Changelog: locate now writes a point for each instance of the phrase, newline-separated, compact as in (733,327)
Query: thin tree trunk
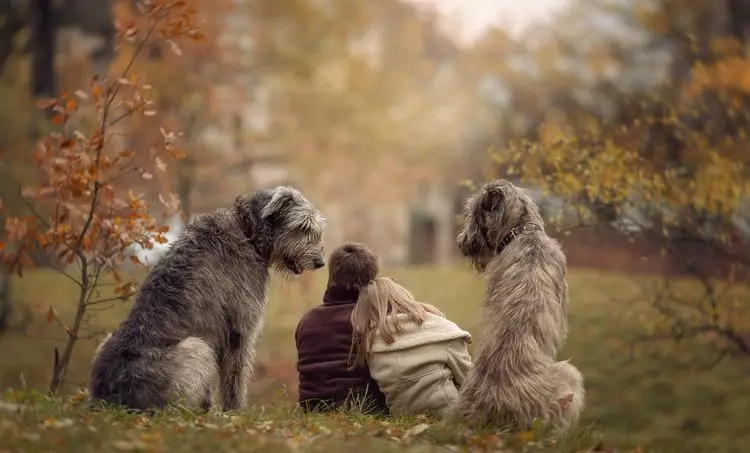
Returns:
(43,58)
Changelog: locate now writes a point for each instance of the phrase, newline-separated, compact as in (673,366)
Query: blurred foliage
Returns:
(669,161)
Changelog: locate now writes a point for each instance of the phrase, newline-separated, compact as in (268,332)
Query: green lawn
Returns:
(647,396)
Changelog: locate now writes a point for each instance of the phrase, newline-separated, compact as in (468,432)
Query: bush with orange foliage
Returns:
(80,212)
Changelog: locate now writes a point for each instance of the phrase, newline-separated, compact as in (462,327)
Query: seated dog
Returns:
(200,310)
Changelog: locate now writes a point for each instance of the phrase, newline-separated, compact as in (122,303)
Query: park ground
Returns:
(648,398)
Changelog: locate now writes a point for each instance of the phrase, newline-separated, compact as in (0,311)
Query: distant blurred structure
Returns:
(370,107)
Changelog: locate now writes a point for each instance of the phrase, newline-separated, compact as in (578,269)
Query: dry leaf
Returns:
(175,48)
(159,164)
(417,430)
(130,445)
(55,423)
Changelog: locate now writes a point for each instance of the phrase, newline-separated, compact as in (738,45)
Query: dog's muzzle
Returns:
(318,263)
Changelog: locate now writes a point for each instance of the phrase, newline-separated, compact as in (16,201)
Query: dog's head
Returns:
(288,226)
(489,215)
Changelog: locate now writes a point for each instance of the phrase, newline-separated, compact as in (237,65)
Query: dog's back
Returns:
(165,348)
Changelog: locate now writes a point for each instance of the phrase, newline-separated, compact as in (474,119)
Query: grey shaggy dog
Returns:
(516,378)
(201,309)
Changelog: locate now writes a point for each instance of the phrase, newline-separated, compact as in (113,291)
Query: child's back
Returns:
(418,357)
(421,370)
(324,338)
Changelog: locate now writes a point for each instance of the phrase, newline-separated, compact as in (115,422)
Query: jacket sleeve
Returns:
(459,360)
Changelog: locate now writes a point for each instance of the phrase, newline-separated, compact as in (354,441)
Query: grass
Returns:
(38,423)
(645,396)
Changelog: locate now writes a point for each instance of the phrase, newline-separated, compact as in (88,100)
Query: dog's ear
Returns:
(471,239)
(281,197)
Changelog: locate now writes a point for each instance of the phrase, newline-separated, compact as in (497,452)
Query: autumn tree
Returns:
(369,105)
(663,159)
(79,213)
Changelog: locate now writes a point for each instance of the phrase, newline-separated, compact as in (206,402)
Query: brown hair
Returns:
(352,266)
(378,306)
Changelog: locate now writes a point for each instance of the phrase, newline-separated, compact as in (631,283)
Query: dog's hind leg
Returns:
(235,368)
(571,394)
(194,370)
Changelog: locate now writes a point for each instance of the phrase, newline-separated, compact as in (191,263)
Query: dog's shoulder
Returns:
(216,225)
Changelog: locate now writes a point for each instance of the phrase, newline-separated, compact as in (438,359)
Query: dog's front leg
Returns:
(208,399)
(235,368)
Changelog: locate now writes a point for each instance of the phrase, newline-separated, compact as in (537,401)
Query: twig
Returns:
(128,112)
(104,301)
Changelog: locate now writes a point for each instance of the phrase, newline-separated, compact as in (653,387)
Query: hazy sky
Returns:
(475,15)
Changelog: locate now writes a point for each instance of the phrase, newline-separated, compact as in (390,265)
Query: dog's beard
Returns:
(478,263)
(287,267)
(281,270)
(292,265)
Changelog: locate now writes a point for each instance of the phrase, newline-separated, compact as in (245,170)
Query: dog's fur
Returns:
(516,378)
(200,310)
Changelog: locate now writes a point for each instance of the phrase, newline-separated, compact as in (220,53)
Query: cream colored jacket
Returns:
(421,371)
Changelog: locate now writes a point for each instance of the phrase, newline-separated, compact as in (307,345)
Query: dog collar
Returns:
(521,229)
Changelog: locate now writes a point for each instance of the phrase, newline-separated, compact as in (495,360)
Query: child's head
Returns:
(379,299)
(352,266)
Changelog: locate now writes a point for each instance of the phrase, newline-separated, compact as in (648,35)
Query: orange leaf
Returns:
(71,104)
(58,119)
(96,90)
(177,153)
(69,143)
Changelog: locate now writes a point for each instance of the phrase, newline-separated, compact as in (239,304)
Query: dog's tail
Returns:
(492,394)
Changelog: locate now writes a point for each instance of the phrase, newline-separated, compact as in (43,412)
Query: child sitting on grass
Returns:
(324,337)
(417,356)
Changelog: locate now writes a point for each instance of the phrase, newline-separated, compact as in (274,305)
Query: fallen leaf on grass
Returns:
(32,437)
(207,425)
(58,424)
(151,437)
(11,407)
(129,445)
(142,423)
(485,442)
(416,430)
(293,444)
(525,436)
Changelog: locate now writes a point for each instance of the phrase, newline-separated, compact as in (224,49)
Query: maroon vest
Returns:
(324,337)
